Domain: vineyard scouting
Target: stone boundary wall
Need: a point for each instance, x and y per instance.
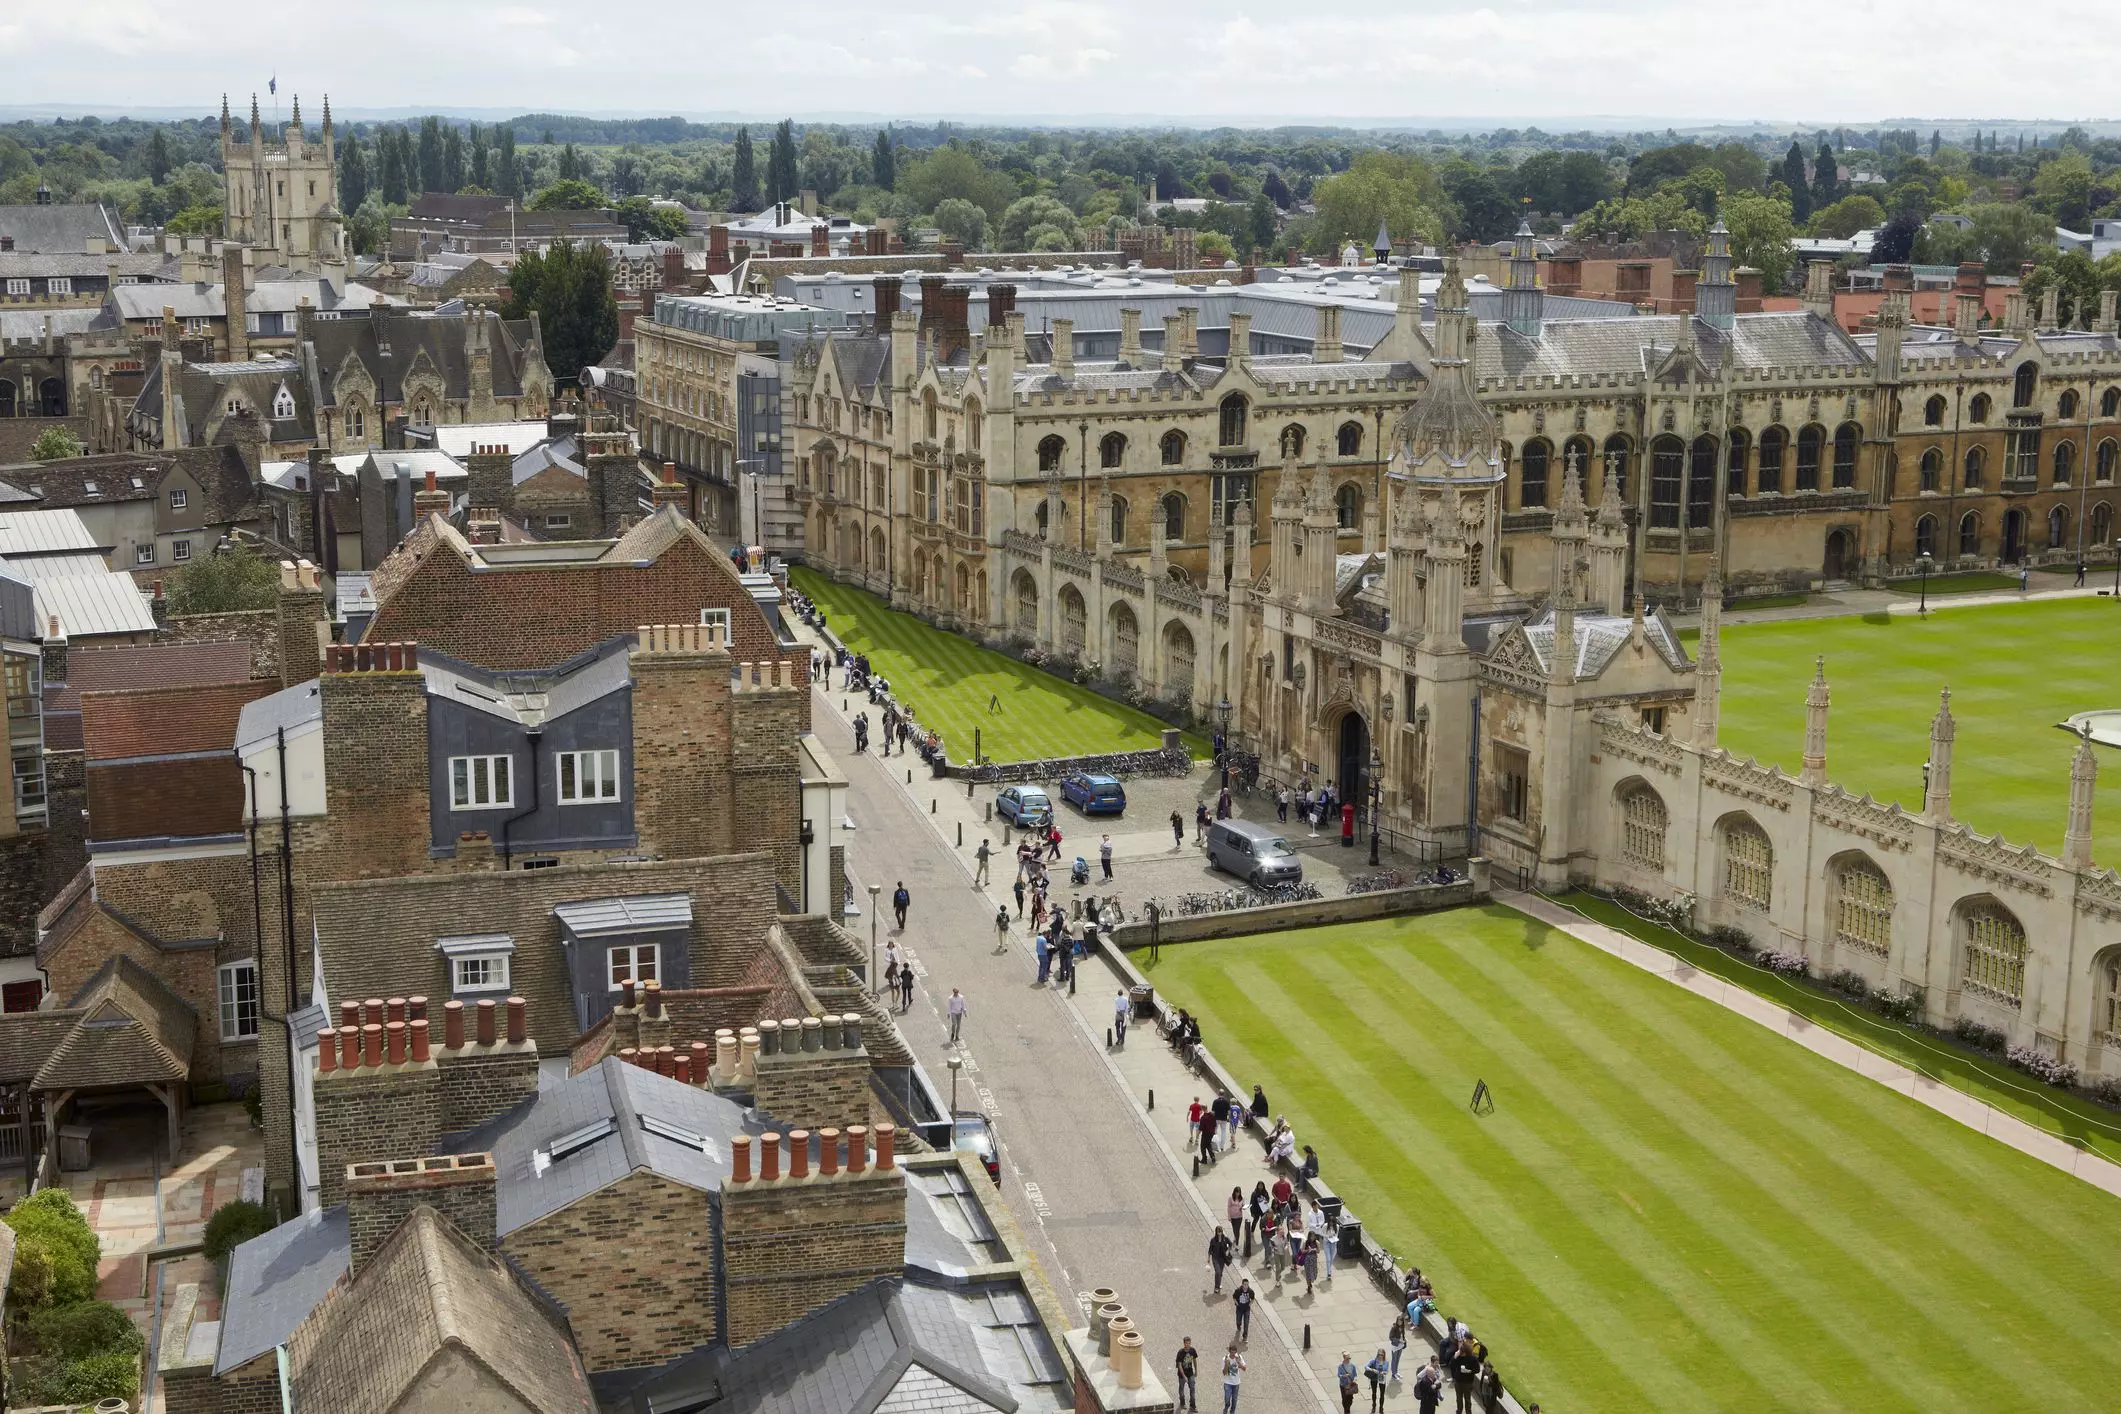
(1310, 913)
(1163, 760)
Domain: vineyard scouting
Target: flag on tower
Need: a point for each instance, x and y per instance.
(272, 85)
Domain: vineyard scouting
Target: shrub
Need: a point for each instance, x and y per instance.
(84, 1328)
(1736, 940)
(1849, 984)
(2107, 1090)
(2041, 1067)
(56, 1252)
(234, 1224)
(1973, 1034)
(1784, 964)
(107, 1374)
(1904, 1007)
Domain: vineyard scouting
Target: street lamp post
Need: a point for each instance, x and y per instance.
(956, 1064)
(1222, 729)
(2117, 569)
(1377, 795)
(1925, 563)
(874, 890)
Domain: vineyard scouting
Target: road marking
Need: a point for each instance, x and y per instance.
(1038, 1201)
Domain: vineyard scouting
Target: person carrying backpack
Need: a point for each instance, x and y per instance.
(900, 902)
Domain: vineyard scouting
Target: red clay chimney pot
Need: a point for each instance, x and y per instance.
(327, 1050)
(485, 1032)
(372, 1043)
(769, 1156)
(857, 1148)
(886, 1137)
(740, 1159)
(418, 1031)
(799, 1153)
(452, 1025)
(394, 1038)
(828, 1152)
(518, 1021)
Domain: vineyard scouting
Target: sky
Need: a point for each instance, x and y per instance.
(1855, 62)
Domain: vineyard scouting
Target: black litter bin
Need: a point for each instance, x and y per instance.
(941, 764)
(1350, 1237)
(1144, 999)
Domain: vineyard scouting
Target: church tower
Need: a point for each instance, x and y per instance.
(281, 197)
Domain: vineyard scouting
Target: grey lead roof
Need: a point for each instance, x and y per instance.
(1636, 346)
(636, 913)
(290, 708)
(1600, 636)
(530, 1188)
(277, 1279)
(547, 701)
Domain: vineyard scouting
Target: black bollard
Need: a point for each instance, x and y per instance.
(1152, 1099)
(960, 834)
(1307, 1335)
(909, 778)
(1196, 1166)
(931, 806)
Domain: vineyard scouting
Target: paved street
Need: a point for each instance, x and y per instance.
(1104, 1200)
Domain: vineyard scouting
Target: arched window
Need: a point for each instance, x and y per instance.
(2063, 462)
(1173, 506)
(1932, 470)
(1811, 442)
(1119, 520)
(928, 413)
(1642, 825)
(1667, 466)
(1976, 463)
(1846, 439)
(1348, 441)
(1701, 482)
(1933, 411)
(1616, 465)
(2057, 527)
(1863, 907)
(1926, 536)
(1126, 640)
(1026, 602)
(1347, 505)
(1995, 952)
(1970, 533)
(1292, 441)
(2025, 384)
(2110, 403)
(1173, 448)
(1748, 863)
(1768, 477)
(1531, 473)
(1734, 462)
(1042, 516)
(1977, 408)
(1110, 449)
(974, 424)
(95, 377)
(1074, 619)
(2102, 523)
(2109, 455)
(1050, 452)
(2066, 405)
(1231, 424)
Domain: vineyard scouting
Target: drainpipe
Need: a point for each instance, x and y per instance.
(287, 946)
(535, 734)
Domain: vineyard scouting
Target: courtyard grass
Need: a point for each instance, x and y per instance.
(1670, 1208)
(2015, 670)
(949, 681)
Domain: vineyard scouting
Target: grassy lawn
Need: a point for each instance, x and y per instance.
(949, 681)
(2015, 669)
(1670, 1208)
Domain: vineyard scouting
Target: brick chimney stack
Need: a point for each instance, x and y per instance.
(887, 300)
(669, 491)
(303, 625)
(382, 1194)
(430, 500)
(820, 240)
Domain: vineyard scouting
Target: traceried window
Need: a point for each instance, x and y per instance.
(1173, 448)
(1933, 411)
(1667, 468)
(2110, 403)
(1811, 441)
(1847, 437)
(1616, 466)
(1926, 536)
(587, 777)
(1111, 448)
(1932, 469)
(1768, 476)
(1119, 520)
(1348, 441)
(1230, 425)
(1174, 511)
(1970, 533)
(1051, 450)
(2108, 1015)
(1642, 822)
(2109, 455)
(1995, 953)
(1977, 408)
(1347, 506)
(1748, 864)
(1532, 473)
(1976, 463)
(2025, 384)
(1863, 908)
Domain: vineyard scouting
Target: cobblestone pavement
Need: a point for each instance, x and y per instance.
(1102, 1198)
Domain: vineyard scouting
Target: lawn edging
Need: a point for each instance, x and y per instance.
(1307, 913)
(1822, 1040)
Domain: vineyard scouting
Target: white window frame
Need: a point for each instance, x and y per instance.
(587, 777)
(562, 521)
(622, 964)
(59, 285)
(180, 550)
(228, 990)
(717, 616)
(283, 404)
(470, 777)
(18, 287)
(144, 554)
(179, 498)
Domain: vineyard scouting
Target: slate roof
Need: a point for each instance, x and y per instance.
(440, 338)
(167, 721)
(276, 1279)
(129, 1029)
(150, 265)
(139, 665)
(23, 324)
(430, 1293)
(85, 481)
(1777, 339)
(58, 228)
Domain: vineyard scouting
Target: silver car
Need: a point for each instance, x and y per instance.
(1253, 853)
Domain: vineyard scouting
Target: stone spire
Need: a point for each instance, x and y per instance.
(1937, 791)
(1522, 299)
(1815, 704)
(1571, 531)
(2083, 778)
(227, 127)
(295, 118)
(1708, 666)
(327, 115)
(1716, 296)
(257, 126)
(1448, 430)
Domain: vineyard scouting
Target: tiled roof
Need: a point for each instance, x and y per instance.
(140, 665)
(27, 1040)
(64, 227)
(275, 1280)
(166, 721)
(129, 1029)
(436, 341)
(429, 1293)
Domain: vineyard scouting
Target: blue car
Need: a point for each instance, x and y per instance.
(1026, 807)
(1095, 795)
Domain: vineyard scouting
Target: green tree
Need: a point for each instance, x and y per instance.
(481, 159)
(569, 288)
(54, 444)
(1847, 216)
(781, 178)
(1793, 177)
(744, 175)
(396, 179)
(1826, 178)
(1652, 169)
(56, 1251)
(158, 158)
(1260, 225)
(453, 159)
(2064, 188)
(570, 164)
(951, 171)
(353, 174)
(228, 581)
(368, 228)
(1743, 169)
(1485, 211)
(1762, 230)
(1031, 211)
(2004, 235)
(883, 162)
(199, 220)
(233, 1224)
(431, 175)
(1213, 248)
(510, 176)
(1400, 191)
(568, 194)
(962, 221)
(646, 221)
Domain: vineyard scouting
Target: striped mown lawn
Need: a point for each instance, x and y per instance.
(1670, 1208)
(950, 681)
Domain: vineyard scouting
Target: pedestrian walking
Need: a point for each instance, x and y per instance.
(900, 901)
(1200, 823)
(2025, 575)
(1234, 1367)
(1001, 930)
(1310, 1262)
(1219, 1256)
(2080, 574)
(905, 989)
(1281, 806)
(1044, 951)
(1256, 1210)
(1233, 1112)
(1270, 1249)
(1104, 855)
(1376, 1370)
(955, 1010)
(1397, 1340)
(1241, 1302)
(1328, 1229)
(983, 854)
(1119, 1017)
(1428, 1387)
(891, 977)
(1053, 843)
(1038, 911)
(1205, 1127)
(1019, 891)
(1346, 1373)
(1188, 1364)
(1235, 1212)
(1218, 1115)
(1222, 804)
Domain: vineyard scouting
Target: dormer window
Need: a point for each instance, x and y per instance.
(478, 962)
(283, 404)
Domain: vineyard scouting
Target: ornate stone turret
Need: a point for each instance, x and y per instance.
(1716, 296)
(1288, 513)
(1402, 560)
(1321, 533)
(1523, 303)
(1444, 616)
(1937, 790)
(1816, 698)
(1708, 665)
(1448, 432)
(2083, 780)
(1609, 551)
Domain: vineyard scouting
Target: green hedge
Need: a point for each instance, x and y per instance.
(79, 1354)
(56, 1252)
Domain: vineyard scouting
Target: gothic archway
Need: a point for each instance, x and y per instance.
(1351, 781)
